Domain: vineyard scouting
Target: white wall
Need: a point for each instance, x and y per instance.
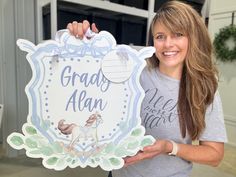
(17, 20)
(220, 16)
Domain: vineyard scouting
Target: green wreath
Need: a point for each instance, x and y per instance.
(222, 50)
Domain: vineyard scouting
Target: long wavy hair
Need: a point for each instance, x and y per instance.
(199, 80)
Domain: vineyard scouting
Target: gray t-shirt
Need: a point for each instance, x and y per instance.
(160, 119)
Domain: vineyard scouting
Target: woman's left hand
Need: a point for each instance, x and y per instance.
(159, 147)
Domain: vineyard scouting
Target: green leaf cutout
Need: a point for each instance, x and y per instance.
(31, 143)
(146, 142)
(61, 162)
(17, 140)
(115, 161)
(133, 145)
(109, 148)
(46, 150)
(120, 152)
(52, 161)
(106, 162)
(56, 147)
(30, 130)
(137, 132)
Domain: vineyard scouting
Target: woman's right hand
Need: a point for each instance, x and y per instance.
(78, 29)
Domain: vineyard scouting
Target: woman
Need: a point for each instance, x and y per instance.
(182, 103)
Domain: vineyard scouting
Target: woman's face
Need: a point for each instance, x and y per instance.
(171, 48)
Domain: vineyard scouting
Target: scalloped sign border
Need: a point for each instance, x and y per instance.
(84, 102)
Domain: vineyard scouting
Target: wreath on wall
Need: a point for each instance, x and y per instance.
(223, 52)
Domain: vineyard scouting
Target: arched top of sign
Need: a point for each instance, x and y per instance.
(84, 102)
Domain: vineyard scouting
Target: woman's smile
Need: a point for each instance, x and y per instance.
(170, 53)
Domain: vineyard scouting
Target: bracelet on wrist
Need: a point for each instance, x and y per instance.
(174, 148)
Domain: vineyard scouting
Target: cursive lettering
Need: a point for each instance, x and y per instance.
(69, 77)
(158, 110)
(80, 101)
